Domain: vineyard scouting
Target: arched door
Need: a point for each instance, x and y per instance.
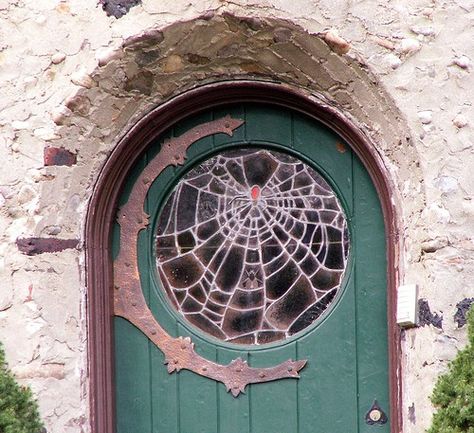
(255, 231)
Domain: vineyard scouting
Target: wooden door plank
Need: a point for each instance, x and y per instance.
(233, 412)
(273, 405)
(197, 394)
(132, 379)
(164, 391)
(327, 389)
(267, 124)
(370, 276)
(132, 369)
(327, 150)
(163, 386)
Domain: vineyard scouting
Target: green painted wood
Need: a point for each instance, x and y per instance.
(233, 413)
(163, 386)
(319, 145)
(327, 391)
(274, 405)
(371, 320)
(346, 351)
(132, 351)
(268, 124)
(164, 391)
(198, 395)
(132, 379)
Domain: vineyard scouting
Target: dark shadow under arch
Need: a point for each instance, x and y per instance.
(102, 209)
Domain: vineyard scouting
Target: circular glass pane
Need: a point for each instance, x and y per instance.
(251, 246)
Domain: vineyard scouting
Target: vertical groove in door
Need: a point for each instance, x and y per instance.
(213, 138)
(151, 381)
(353, 252)
(292, 133)
(298, 411)
(218, 405)
(244, 110)
(147, 298)
(250, 388)
(178, 399)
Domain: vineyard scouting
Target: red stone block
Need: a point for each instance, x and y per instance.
(33, 246)
(59, 156)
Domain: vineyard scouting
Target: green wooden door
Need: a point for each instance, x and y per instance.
(345, 343)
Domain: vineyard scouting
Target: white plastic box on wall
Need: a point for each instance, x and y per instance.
(407, 305)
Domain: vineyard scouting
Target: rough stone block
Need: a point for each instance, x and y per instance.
(59, 156)
(33, 246)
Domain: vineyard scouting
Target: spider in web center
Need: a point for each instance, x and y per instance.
(255, 192)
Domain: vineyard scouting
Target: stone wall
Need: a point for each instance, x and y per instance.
(74, 80)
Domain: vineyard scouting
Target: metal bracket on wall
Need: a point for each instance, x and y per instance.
(129, 301)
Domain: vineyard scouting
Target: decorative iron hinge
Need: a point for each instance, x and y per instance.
(129, 302)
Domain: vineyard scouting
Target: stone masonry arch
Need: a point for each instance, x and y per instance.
(153, 66)
(159, 65)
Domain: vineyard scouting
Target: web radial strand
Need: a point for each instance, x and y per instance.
(251, 246)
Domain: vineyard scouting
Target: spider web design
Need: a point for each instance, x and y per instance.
(251, 246)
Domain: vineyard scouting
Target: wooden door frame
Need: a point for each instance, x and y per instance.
(102, 209)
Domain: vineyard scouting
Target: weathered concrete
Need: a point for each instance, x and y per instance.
(75, 79)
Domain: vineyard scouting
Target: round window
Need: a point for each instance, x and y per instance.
(251, 246)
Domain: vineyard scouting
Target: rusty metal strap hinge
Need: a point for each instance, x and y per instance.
(129, 301)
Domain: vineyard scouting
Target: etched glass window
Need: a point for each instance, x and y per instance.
(251, 246)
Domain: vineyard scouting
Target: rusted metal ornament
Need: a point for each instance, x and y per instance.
(129, 301)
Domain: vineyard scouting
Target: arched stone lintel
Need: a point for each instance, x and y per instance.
(159, 64)
(153, 67)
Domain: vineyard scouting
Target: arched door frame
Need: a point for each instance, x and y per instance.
(102, 210)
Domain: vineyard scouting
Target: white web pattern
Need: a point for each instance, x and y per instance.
(251, 246)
